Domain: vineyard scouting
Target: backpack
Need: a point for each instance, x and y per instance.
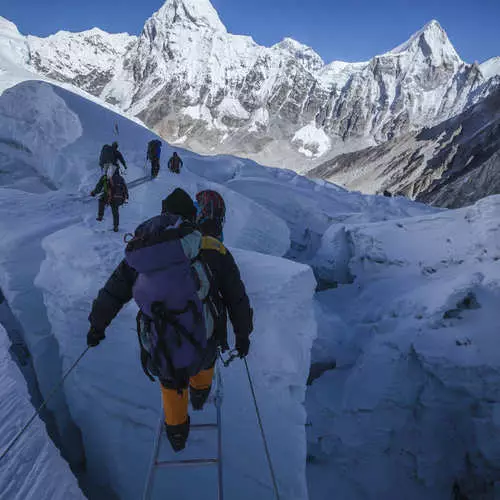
(171, 290)
(107, 155)
(118, 189)
(154, 149)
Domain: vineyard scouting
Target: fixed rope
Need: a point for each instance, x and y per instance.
(266, 447)
(42, 406)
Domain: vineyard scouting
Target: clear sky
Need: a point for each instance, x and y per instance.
(350, 30)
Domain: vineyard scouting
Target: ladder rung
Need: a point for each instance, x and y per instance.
(204, 426)
(186, 463)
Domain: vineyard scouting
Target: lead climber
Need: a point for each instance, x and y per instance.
(185, 283)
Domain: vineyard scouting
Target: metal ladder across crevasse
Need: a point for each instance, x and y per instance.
(196, 462)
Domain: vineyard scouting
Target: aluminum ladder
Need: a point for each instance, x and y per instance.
(197, 462)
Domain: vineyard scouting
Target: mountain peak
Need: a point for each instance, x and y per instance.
(432, 41)
(308, 57)
(200, 13)
(8, 28)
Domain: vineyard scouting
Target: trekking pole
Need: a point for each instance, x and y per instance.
(259, 418)
(43, 405)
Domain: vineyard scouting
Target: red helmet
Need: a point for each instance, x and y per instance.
(210, 206)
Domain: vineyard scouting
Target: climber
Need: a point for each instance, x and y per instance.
(175, 163)
(114, 193)
(169, 263)
(153, 155)
(109, 158)
(211, 213)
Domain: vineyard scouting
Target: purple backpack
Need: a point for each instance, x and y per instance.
(173, 331)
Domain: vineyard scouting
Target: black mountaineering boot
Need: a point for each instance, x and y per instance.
(198, 397)
(178, 434)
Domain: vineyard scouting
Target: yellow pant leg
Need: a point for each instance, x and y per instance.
(202, 380)
(175, 405)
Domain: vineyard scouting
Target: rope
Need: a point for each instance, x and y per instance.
(268, 455)
(42, 406)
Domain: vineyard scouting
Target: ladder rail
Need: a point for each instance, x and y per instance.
(152, 467)
(155, 464)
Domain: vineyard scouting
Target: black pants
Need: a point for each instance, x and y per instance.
(114, 210)
(155, 167)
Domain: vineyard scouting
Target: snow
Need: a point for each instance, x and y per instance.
(300, 52)
(33, 468)
(232, 108)
(414, 395)
(434, 37)
(199, 13)
(490, 68)
(199, 112)
(312, 140)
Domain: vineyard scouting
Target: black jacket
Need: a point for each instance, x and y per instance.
(229, 295)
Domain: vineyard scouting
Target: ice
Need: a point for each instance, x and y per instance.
(33, 469)
(414, 395)
(312, 140)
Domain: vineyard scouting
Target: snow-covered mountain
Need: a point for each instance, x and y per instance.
(453, 164)
(196, 84)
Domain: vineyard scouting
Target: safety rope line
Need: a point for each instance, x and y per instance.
(268, 455)
(42, 406)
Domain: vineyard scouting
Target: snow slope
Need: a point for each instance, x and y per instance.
(415, 396)
(33, 470)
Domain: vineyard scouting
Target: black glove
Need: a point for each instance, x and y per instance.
(242, 346)
(95, 336)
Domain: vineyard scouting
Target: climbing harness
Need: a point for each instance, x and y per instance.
(217, 426)
(43, 405)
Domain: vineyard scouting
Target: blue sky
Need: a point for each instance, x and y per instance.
(351, 30)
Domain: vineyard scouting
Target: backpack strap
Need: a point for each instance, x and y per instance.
(211, 243)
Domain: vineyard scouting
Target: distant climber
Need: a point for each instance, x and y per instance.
(153, 155)
(175, 163)
(109, 158)
(185, 284)
(114, 193)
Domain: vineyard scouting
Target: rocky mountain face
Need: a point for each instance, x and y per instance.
(451, 164)
(197, 85)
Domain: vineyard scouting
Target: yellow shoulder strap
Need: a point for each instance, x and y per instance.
(211, 243)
